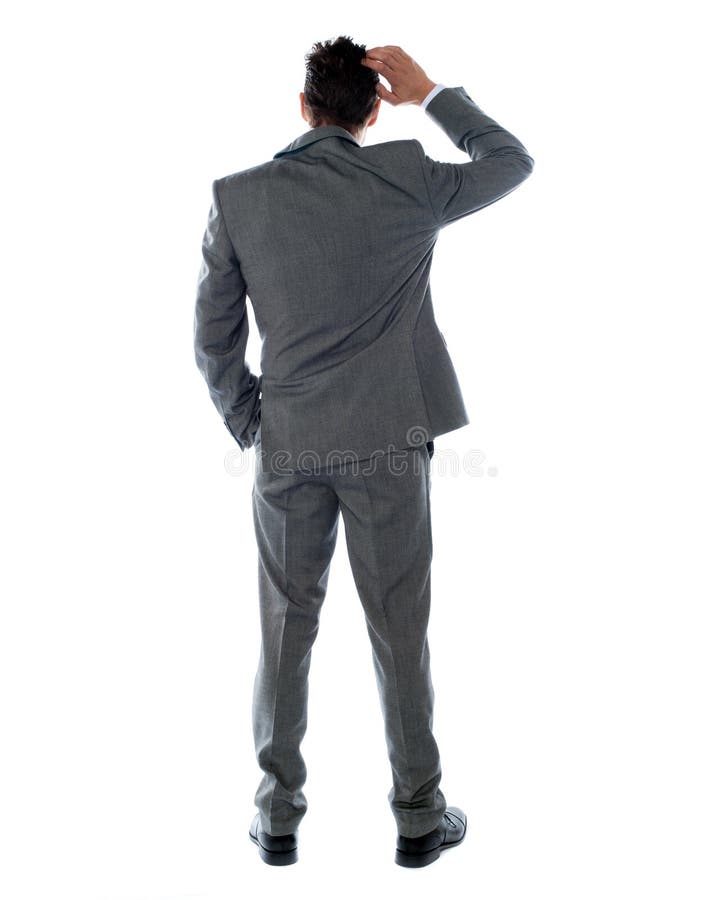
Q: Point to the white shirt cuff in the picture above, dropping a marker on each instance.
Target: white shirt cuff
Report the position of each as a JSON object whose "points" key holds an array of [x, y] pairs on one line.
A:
{"points": [[431, 94]]}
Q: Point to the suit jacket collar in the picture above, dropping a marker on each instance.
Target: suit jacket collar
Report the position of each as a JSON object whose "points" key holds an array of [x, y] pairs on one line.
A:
{"points": [[316, 134]]}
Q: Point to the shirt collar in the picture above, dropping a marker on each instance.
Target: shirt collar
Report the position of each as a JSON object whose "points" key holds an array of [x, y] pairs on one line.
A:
{"points": [[316, 134]]}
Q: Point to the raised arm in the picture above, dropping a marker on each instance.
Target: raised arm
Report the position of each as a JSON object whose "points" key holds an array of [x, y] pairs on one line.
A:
{"points": [[499, 161]]}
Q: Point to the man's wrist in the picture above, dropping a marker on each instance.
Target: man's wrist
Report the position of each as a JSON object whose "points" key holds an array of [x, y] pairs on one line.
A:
{"points": [[425, 90], [431, 93]]}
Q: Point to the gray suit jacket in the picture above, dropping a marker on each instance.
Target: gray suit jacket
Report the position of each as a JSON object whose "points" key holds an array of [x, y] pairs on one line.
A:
{"points": [[333, 243]]}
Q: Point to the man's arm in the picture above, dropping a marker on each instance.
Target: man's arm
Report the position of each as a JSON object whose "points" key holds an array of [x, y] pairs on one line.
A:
{"points": [[499, 161], [221, 331]]}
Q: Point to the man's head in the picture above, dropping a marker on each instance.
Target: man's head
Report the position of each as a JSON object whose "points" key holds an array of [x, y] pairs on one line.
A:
{"points": [[338, 89]]}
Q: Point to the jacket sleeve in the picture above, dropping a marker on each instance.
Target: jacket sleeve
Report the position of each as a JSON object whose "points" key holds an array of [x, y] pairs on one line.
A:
{"points": [[221, 331], [499, 161]]}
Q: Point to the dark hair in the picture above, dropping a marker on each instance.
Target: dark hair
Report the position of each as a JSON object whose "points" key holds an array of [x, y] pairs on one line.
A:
{"points": [[339, 90]]}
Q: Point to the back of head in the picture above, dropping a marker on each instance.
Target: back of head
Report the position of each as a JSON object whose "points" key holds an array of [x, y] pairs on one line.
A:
{"points": [[338, 89]]}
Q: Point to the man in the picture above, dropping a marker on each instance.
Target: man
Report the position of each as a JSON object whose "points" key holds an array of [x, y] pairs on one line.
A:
{"points": [[333, 242]]}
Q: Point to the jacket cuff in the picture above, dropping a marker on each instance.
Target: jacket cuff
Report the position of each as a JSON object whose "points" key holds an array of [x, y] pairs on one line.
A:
{"points": [[243, 426]]}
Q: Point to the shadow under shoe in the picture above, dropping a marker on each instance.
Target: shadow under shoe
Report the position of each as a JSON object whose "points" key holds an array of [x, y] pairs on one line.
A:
{"points": [[276, 850], [414, 852]]}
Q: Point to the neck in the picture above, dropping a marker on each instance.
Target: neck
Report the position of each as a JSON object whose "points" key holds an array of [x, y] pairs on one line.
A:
{"points": [[358, 133]]}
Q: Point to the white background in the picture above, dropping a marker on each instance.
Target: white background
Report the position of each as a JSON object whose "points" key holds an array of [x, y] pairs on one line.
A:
{"points": [[574, 630]]}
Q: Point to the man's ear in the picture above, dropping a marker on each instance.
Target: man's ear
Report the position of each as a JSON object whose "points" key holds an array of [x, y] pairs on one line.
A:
{"points": [[374, 114]]}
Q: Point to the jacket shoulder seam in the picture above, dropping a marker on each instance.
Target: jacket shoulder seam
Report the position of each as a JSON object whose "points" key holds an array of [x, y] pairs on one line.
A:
{"points": [[421, 155]]}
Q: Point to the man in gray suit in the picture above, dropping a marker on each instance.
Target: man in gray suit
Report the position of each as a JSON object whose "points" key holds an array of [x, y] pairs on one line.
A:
{"points": [[333, 242]]}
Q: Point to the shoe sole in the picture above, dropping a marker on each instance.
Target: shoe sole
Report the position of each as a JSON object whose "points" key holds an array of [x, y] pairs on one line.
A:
{"points": [[275, 857], [417, 860]]}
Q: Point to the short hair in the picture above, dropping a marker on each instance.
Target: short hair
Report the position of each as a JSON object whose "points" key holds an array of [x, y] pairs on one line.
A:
{"points": [[339, 90]]}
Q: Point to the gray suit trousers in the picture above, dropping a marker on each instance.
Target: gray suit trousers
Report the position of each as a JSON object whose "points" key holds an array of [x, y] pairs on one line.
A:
{"points": [[385, 505]]}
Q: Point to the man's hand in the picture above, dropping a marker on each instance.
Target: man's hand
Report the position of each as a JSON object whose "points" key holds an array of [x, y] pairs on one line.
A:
{"points": [[409, 83]]}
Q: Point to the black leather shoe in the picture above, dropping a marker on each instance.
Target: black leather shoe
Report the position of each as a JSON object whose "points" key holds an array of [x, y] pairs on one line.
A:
{"points": [[420, 851], [275, 849]]}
